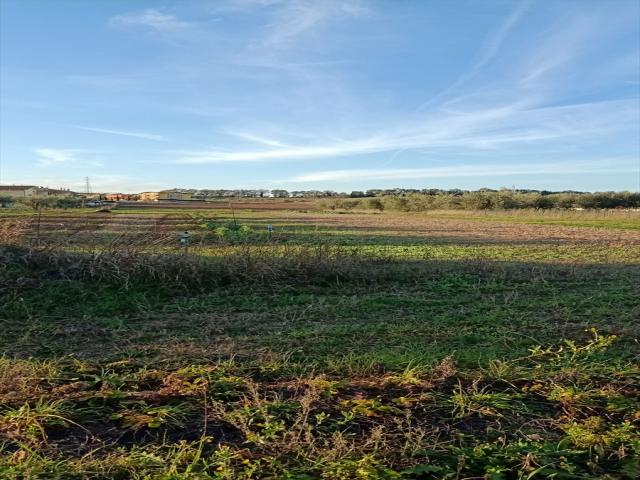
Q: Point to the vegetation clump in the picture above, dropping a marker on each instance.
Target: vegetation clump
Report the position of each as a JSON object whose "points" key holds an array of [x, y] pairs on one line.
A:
{"points": [[227, 420]]}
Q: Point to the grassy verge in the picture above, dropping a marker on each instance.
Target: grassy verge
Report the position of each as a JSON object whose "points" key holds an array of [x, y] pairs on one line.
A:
{"points": [[558, 412], [625, 220], [315, 365]]}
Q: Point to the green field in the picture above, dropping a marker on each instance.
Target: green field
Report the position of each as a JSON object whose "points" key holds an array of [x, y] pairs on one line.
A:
{"points": [[360, 345]]}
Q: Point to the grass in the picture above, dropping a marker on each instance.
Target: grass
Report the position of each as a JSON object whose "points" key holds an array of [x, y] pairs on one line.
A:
{"points": [[392, 321], [343, 347], [609, 219]]}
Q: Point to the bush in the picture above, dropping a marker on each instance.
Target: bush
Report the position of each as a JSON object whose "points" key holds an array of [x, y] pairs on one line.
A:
{"points": [[375, 204], [68, 202], [38, 203], [343, 204]]}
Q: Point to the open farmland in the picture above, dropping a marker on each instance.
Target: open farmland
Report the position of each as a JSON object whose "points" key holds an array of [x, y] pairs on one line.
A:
{"points": [[342, 345]]}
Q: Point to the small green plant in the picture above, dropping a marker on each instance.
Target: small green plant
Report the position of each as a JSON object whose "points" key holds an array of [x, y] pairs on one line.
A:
{"points": [[596, 432], [369, 407], [165, 416], [230, 232], [365, 468], [471, 401], [30, 424]]}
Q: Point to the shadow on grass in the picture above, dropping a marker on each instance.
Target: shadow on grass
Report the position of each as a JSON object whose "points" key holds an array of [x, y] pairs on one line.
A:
{"points": [[326, 311]]}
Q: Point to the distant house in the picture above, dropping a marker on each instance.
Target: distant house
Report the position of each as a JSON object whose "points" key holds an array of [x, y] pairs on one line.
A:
{"points": [[115, 197], [176, 194], [21, 191], [65, 192], [149, 196]]}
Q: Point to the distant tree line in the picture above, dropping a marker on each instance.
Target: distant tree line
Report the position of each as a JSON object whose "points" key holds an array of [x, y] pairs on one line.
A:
{"points": [[484, 199], [399, 199], [410, 199], [261, 193]]}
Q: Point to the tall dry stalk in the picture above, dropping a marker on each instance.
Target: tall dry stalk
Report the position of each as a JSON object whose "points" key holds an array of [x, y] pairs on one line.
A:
{"points": [[13, 231]]}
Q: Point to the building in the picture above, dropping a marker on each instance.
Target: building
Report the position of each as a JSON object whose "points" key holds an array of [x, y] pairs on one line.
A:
{"points": [[115, 197], [176, 194], [148, 196], [64, 192], [22, 191]]}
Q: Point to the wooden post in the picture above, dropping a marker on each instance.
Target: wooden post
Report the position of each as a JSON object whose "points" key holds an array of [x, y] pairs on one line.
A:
{"points": [[38, 224]]}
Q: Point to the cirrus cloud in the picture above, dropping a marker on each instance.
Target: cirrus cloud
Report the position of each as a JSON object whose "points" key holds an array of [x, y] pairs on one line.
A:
{"points": [[555, 168], [151, 19]]}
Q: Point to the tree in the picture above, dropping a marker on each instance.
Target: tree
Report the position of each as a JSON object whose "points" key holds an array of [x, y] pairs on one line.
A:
{"points": [[280, 193], [542, 202], [38, 203], [478, 201], [68, 202], [6, 201], [375, 204]]}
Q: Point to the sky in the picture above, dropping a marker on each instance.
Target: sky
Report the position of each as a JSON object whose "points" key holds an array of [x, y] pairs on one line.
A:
{"points": [[320, 94]]}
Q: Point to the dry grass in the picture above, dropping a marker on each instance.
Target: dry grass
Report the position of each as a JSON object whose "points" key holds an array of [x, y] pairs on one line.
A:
{"points": [[13, 231], [124, 263], [22, 379]]}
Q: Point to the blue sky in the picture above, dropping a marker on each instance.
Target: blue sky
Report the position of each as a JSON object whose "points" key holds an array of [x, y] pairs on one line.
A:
{"points": [[344, 94]]}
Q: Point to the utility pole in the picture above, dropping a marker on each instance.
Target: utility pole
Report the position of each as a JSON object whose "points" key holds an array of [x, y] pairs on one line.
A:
{"points": [[87, 191]]}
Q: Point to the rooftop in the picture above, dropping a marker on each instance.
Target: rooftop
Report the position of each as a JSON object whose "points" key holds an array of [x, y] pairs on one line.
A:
{"points": [[17, 187]]}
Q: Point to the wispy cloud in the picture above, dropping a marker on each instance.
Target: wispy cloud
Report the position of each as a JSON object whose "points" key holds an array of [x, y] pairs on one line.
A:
{"points": [[517, 125], [145, 136], [297, 18], [560, 47], [56, 156], [66, 157], [256, 139], [116, 81], [486, 116], [242, 6], [556, 168], [151, 19], [487, 53]]}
